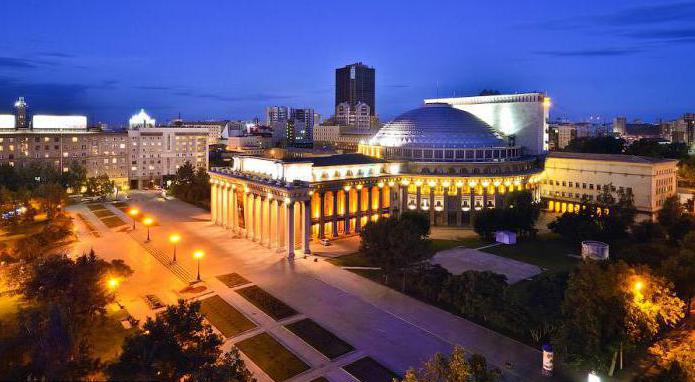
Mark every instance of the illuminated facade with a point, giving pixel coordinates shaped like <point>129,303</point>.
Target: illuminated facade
<point>568,178</point>
<point>435,159</point>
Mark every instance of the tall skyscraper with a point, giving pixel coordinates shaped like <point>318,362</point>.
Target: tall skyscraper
<point>20,108</point>
<point>303,125</point>
<point>355,83</point>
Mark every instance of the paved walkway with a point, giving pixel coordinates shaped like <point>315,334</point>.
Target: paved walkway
<point>394,329</point>
<point>458,260</point>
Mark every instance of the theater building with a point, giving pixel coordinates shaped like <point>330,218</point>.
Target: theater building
<point>436,159</point>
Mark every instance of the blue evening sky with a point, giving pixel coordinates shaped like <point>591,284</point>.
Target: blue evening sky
<point>229,59</point>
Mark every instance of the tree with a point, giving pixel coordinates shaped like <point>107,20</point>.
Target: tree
<point>658,149</point>
<point>78,285</point>
<point>608,305</point>
<point>52,196</point>
<point>648,232</point>
<point>454,367</point>
<point>477,295</point>
<point>75,177</point>
<point>676,222</point>
<point>596,145</point>
<point>519,213</point>
<point>100,185</point>
<point>191,184</point>
<point>178,345</point>
<point>395,243</point>
<point>680,269</point>
<point>608,218</point>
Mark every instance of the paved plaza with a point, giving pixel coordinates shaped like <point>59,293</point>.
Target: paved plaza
<point>460,259</point>
<point>394,329</point>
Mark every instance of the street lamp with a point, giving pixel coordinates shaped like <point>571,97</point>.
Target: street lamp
<point>147,222</point>
<point>112,283</point>
<point>198,255</point>
<point>133,212</point>
<point>174,239</point>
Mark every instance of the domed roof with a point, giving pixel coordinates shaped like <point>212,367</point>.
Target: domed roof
<point>437,125</point>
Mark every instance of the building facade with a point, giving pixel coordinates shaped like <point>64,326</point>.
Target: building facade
<point>435,159</point>
<point>522,118</point>
<point>60,141</point>
<point>156,152</point>
<point>568,178</point>
<point>358,117</point>
<point>355,83</point>
<point>341,137</point>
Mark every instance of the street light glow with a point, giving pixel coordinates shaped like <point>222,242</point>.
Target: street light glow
<point>147,221</point>
<point>112,283</point>
<point>198,254</point>
<point>638,286</point>
<point>133,212</point>
<point>174,238</point>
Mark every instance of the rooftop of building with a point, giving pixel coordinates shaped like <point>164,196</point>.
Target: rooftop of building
<point>336,160</point>
<point>437,125</point>
<point>610,157</point>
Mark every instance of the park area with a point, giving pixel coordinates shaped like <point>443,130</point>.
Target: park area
<point>516,280</point>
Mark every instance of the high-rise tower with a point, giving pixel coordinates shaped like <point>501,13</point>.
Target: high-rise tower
<point>355,83</point>
<point>20,113</point>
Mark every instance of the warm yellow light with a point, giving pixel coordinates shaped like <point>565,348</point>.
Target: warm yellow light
<point>198,254</point>
<point>174,238</point>
<point>638,286</point>
<point>112,283</point>
<point>133,212</point>
<point>147,221</point>
<point>346,188</point>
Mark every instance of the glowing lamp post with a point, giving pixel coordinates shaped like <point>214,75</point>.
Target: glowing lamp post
<point>147,222</point>
<point>198,255</point>
<point>174,239</point>
<point>112,283</point>
<point>133,212</point>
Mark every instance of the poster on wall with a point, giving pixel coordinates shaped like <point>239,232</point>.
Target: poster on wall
<point>424,204</point>
<point>490,203</point>
<point>478,202</point>
<point>466,203</point>
<point>439,203</point>
<point>412,201</point>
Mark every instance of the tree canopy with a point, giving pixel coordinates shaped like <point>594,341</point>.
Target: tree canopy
<point>609,304</point>
<point>597,145</point>
<point>394,243</point>
<point>178,345</point>
<point>454,367</point>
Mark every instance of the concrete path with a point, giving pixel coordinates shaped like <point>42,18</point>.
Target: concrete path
<point>394,329</point>
<point>458,260</point>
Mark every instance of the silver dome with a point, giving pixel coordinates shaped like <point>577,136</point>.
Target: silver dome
<point>437,126</point>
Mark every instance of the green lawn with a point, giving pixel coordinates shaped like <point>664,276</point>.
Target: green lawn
<point>273,358</point>
<point>225,317</point>
<point>368,370</point>
<point>96,206</point>
<point>319,338</point>
<point>232,280</point>
<point>547,250</point>
<point>113,221</point>
<point>352,260</point>
<point>107,335</point>
<point>266,302</point>
<point>103,213</point>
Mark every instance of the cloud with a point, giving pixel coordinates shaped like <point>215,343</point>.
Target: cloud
<point>220,97</point>
<point>17,63</point>
<point>46,96</point>
<point>687,34</point>
<point>600,52</point>
<point>56,54</point>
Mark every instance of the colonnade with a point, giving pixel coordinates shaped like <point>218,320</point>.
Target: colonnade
<point>337,212</point>
<point>273,221</point>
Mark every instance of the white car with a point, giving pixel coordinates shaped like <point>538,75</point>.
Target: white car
<point>325,242</point>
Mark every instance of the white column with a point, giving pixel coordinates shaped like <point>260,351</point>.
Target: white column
<point>213,203</point>
<point>225,206</point>
<point>307,226</point>
<point>263,220</point>
<point>252,218</point>
<point>280,235</point>
<point>290,230</point>
<point>234,210</point>
<point>269,222</point>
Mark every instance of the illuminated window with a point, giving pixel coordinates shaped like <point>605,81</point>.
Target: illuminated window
<point>74,139</point>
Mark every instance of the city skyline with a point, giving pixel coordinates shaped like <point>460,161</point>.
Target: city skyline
<point>210,68</point>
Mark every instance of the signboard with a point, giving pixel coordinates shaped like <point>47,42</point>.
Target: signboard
<point>61,122</point>
<point>6,121</point>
